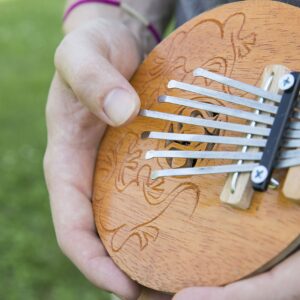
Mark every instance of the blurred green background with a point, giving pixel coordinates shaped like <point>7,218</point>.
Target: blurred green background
<point>31,265</point>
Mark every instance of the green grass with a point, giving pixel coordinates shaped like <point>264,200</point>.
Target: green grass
<point>31,265</point>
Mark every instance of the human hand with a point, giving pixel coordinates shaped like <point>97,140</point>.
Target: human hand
<point>281,283</point>
<point>89,90</point>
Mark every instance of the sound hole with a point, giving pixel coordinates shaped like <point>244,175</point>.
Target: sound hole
<point>190,146</point>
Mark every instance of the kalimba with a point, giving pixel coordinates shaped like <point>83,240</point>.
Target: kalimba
<point>202,188</point>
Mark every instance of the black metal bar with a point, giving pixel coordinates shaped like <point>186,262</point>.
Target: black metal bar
<point>270,153</point>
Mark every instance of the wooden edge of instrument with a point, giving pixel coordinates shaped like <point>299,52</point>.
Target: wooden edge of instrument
<point>280,257</point>
<point>242,196</point>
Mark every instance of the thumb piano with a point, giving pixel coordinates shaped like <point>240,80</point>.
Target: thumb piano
<point>202,189</point>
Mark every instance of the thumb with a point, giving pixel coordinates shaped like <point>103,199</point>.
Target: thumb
<point>98,75</point>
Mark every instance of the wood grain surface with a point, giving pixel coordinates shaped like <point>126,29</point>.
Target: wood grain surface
<point>172,233</point>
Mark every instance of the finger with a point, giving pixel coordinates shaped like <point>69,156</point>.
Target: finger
<point>69,163</point>
<point>74,225</point>
<point>105,57</point>
<point>282,283</point>
<point>78,240</point>
<point>69,122</point>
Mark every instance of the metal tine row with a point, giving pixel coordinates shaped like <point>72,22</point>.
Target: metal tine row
<point>286,158</point>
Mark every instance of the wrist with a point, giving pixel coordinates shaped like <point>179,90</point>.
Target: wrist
<point>82,11</point>
<point>84,14</point>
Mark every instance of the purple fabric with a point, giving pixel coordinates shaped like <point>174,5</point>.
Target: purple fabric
<point>80,2</point>
<point>154,32</point>
<point>150,27</point>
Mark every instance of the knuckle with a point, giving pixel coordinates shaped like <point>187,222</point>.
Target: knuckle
<point>85,73</point>
<point>59,54</point>
<point>63,49</point>
<point>84,79</point>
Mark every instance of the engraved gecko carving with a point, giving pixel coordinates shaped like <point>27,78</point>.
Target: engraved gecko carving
<point>130,174</point>
<point>134,177</point>
<point>232,38</point>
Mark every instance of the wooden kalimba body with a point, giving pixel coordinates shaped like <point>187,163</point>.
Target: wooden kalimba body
<point>171,232</point>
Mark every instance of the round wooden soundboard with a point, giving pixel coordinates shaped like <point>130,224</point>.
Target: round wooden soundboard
<point>172,233</point>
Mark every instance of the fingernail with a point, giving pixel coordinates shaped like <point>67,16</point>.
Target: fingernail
<point>120,105</point>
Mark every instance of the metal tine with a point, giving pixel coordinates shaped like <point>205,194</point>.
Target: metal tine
<point>228,155</point>
<point>199,72</point>
<point>233,168</point>
<point>223,96</point>
<point>292,134</point>
<point>294,125</point>
<point>198,138</point>
<point>296,115</point>
<point>227,140</point>
<point>294,143</point>
<point>241,114</point>
<point>204,170</point>
<point>287,163</point>
<point>289,154</point>
<point>205,123</point>
<point>232,155</point>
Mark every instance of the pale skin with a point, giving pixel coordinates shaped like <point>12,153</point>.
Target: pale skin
<point>90,89</point>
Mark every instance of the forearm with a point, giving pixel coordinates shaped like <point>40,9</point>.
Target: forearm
<point>157,12</point>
